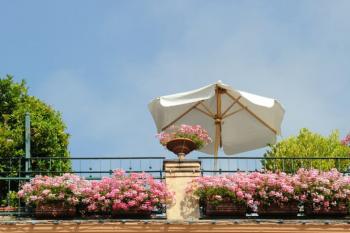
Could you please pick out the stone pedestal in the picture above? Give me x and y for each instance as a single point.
(178, 173)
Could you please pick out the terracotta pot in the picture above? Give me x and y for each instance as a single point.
(181, 146)
(225, 209)
(8, 209)
(335, 211)
(274, 210)
(55, 210)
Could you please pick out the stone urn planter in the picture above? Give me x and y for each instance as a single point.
(289, 209)
(54, 211)
(228, 209)
(340, 210)
(181, 147)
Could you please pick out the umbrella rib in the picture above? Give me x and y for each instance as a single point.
(252, 113)
(206, 113)
(183, 114)
(233, 103)
(232, 113)
(206, 108)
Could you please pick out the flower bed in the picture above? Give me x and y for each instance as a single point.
(234, 192)
(54, 197)
(137, 194)
(134, 195)
(324, 193)
(275, 194)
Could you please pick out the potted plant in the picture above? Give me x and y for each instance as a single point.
(53, 197)
(10, 204)
(276, 194)
(184, 138)
(230, 195)
(135, 195)
(324, 193)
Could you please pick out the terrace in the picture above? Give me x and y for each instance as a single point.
(22, 219)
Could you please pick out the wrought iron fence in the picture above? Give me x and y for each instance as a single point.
(13, 173)
(284, 164)
(94, 168)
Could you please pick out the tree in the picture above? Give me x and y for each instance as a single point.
(308, 145)
(48, 136)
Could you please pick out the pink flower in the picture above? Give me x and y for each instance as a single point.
(122, 191)
(46, 192)
(346, 140)
(21, 193)
(196, 133)
(132, 203)
(45, 189)
(326, 204)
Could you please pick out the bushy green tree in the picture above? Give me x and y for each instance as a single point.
(48, 136)
(308, 145)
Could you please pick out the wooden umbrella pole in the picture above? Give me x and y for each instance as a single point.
(218, 118)
(216, 146)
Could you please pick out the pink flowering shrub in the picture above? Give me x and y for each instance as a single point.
(121, 193)
(323, 190)
(237, 188)
(274, 188)
(346, 140)
(196, 133)
(45, 190)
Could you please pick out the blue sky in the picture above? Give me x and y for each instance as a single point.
(101, 62)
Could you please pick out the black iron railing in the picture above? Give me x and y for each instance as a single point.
(284, 164)
(94, 168)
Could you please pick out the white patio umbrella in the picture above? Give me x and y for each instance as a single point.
(237, 121)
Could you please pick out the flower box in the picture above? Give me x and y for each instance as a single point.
(118, 214)
(225, 209)
(53, 197)
(290, 209)
(133, 195)
(133, 214)
(340, 210)
(8, 209)
(54, 210)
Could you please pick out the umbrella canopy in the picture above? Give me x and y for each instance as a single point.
(237, 121)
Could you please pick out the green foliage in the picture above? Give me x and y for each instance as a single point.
(11, 199)
(198, 141)
(208, 195)
(308, 145)
(48, 136)
(11, 95)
